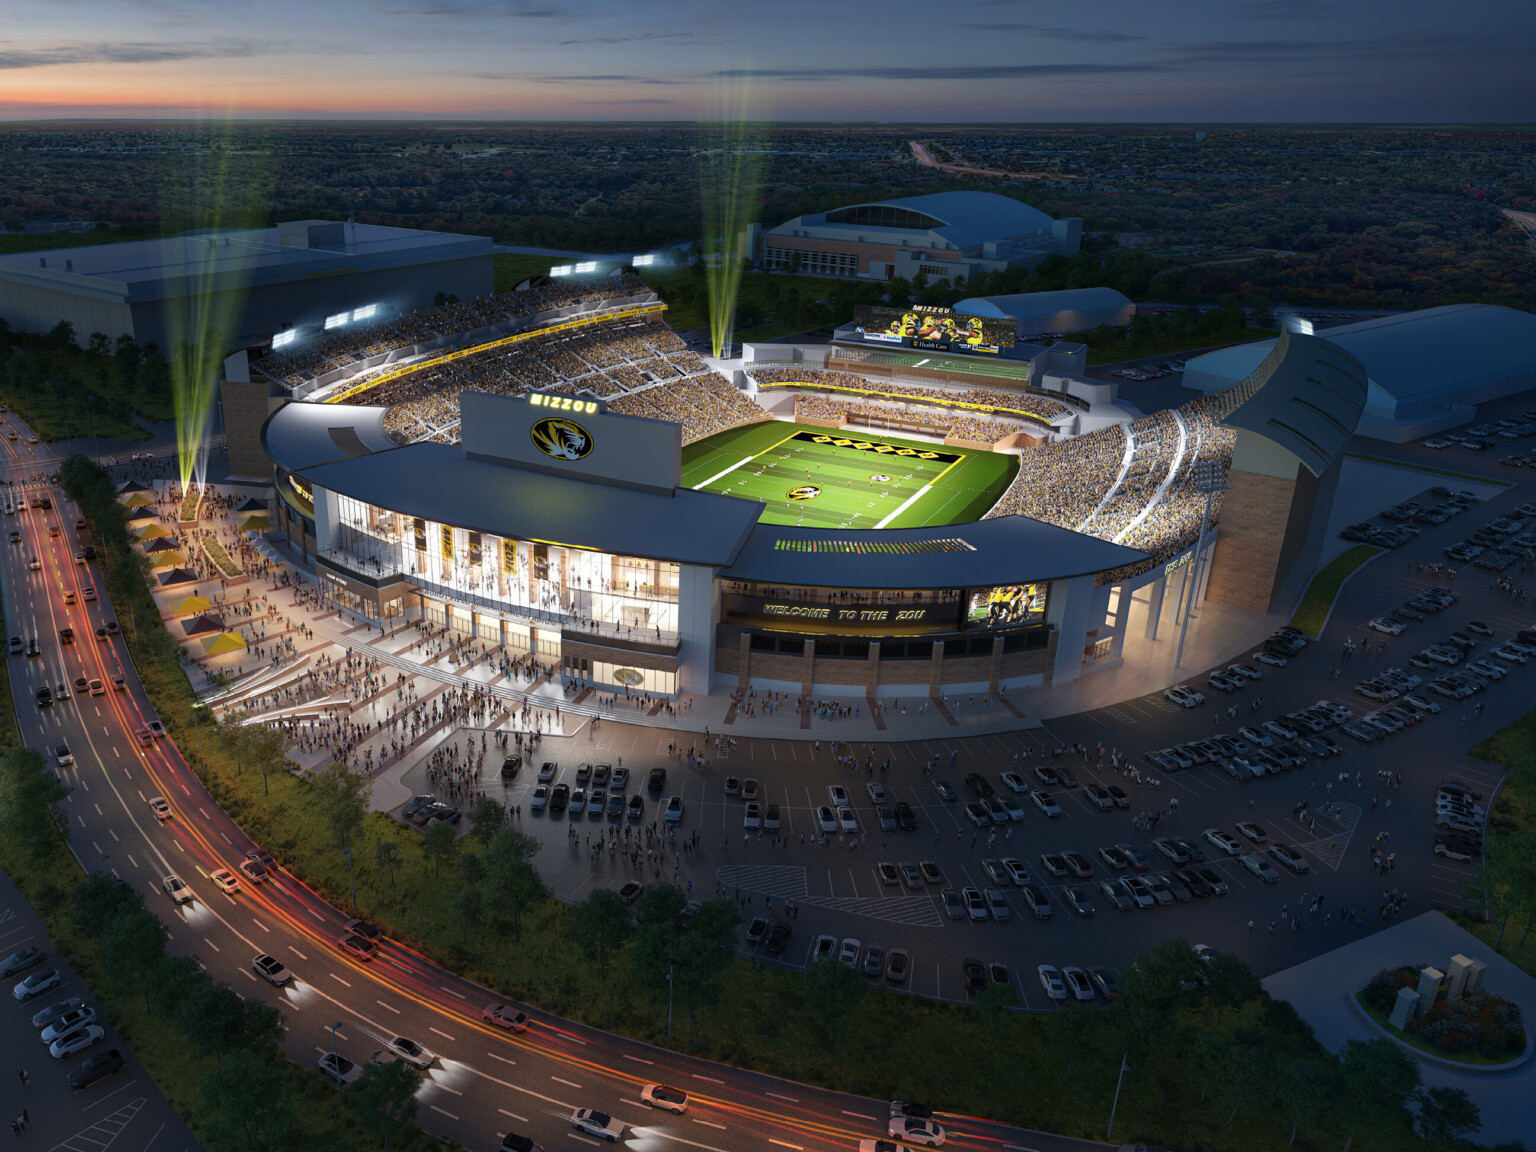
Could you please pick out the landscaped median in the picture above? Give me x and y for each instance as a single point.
(1312, 613)
(219, 556)
(1479, 1031)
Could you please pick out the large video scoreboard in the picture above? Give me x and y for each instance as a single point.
(933, 329)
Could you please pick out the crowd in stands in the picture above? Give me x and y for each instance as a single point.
(340, 347)
(702, 404)
(973, 428)
(990, 401)
(1063, 483)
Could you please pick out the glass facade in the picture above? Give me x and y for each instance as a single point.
(602, 593)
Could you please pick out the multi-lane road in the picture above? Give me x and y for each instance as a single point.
(484, 1081)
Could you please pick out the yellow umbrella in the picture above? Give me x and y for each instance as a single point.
(193, 603)
(137, 500)
(153, 532)
(222, 643)
(166, 559)
(258, 522)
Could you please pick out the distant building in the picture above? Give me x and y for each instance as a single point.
(1428, 369)
(1070, 310)
(946, 235)
(249, 282)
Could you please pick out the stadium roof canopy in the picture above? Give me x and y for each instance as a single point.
(301, 435)
(1307, 397)
(965, 219)
(1002, 550)
(1041, 305)
(1435, 352)
(439, 482)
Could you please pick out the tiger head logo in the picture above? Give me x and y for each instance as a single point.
(804, 492)
(561, 438)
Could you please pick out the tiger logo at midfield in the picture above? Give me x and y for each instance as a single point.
(804, 492)
(561, 438)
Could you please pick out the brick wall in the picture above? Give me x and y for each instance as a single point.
(245, 411)
(1255, 515)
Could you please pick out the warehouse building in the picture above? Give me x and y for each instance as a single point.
(302, 275)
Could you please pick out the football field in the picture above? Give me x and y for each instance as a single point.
(848, 478)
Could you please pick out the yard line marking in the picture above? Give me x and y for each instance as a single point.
(338, 979)
(727, 472)
(441, 1033)
(567, 1083)
(381, 1004)
(905, 504)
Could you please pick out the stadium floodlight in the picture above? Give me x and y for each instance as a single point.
(337, 320)
(364, 312)
(283, 339)
(587, 266)
(643, 261)
(562, 270)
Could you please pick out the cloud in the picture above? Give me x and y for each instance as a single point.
(126, 53)
(616, 103)
(1290, 51)
(634, 37)
(596, 78)
(938, 72)
(1071, 35)
(475, 9)
(1292, 10)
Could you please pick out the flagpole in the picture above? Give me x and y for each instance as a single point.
(1124, 1068)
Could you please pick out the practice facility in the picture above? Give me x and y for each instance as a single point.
(298, 278)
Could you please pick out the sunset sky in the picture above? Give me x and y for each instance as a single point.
(986, 60)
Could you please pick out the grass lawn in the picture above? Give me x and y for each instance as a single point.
(847, 478)
(1168, 343)
(1425, 468)
(64, 412)
(511, 269)
(1313, 610)
(220, 556)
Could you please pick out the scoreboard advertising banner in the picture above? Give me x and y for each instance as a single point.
(933, 329)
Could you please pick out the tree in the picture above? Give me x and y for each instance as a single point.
(832, 992)
(1229, 982)
(994, 1001)
(30, 795)
(216, 1020)
(247, 1099)
(97, 901)
(387, 1092)
(467, 909)
(342, 796)
(1305, 1090)
(1203, 1051)
(599, 925)
(511, 883)
(1379, 1079)
(439, 844)
(131, 947)
(486, 816)
(62, 335)
(267, 748)
(388, 858)
(1246, 1069)
(1447, 1115)
(1067, 1031)
(700, 953)
(1152, 987)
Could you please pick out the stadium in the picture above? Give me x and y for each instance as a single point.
(552, 470)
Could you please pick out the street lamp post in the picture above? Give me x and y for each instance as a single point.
(1124, 1068)
(1206, 477)
(336, 1027)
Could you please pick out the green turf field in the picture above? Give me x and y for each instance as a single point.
(826, 478)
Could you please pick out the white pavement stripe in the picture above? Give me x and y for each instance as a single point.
(637, 1059)
(515, 1116)
(503, 1059)
(441, 1033)
(339, 980)
(711, 1079)
(446, 1113)
(393, 1009)
(212, 945)
(776, 1096)
(567, 1083)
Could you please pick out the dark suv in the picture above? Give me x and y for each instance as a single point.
(96, 1067)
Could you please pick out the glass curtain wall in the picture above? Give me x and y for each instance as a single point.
(625, 594)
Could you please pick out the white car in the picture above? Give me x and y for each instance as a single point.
(271, 969)
(1051, 981)
(68, 1022)
(1510, 653)
(997, 904)
(176, 888)
(1254, 736)
(916, 1130)
(1390, 627)
(848, 954)
(411, 1052)
(338, 1069)
(674, 813)
(1016, 870)
(1223, 841)
(1247, 671)
(666, 1098)
(599, 1124)
(1261, 868)
(876, 792)
(225, 880)
(77, 1041)
(826, 819)
(1014, 783)
(838, 795)
(1077, 980)
(1486, 668)
(1419, 704)
(846, 820)
(1044, 802)
(159, 807)
(1183, 696)
(1270, 658)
